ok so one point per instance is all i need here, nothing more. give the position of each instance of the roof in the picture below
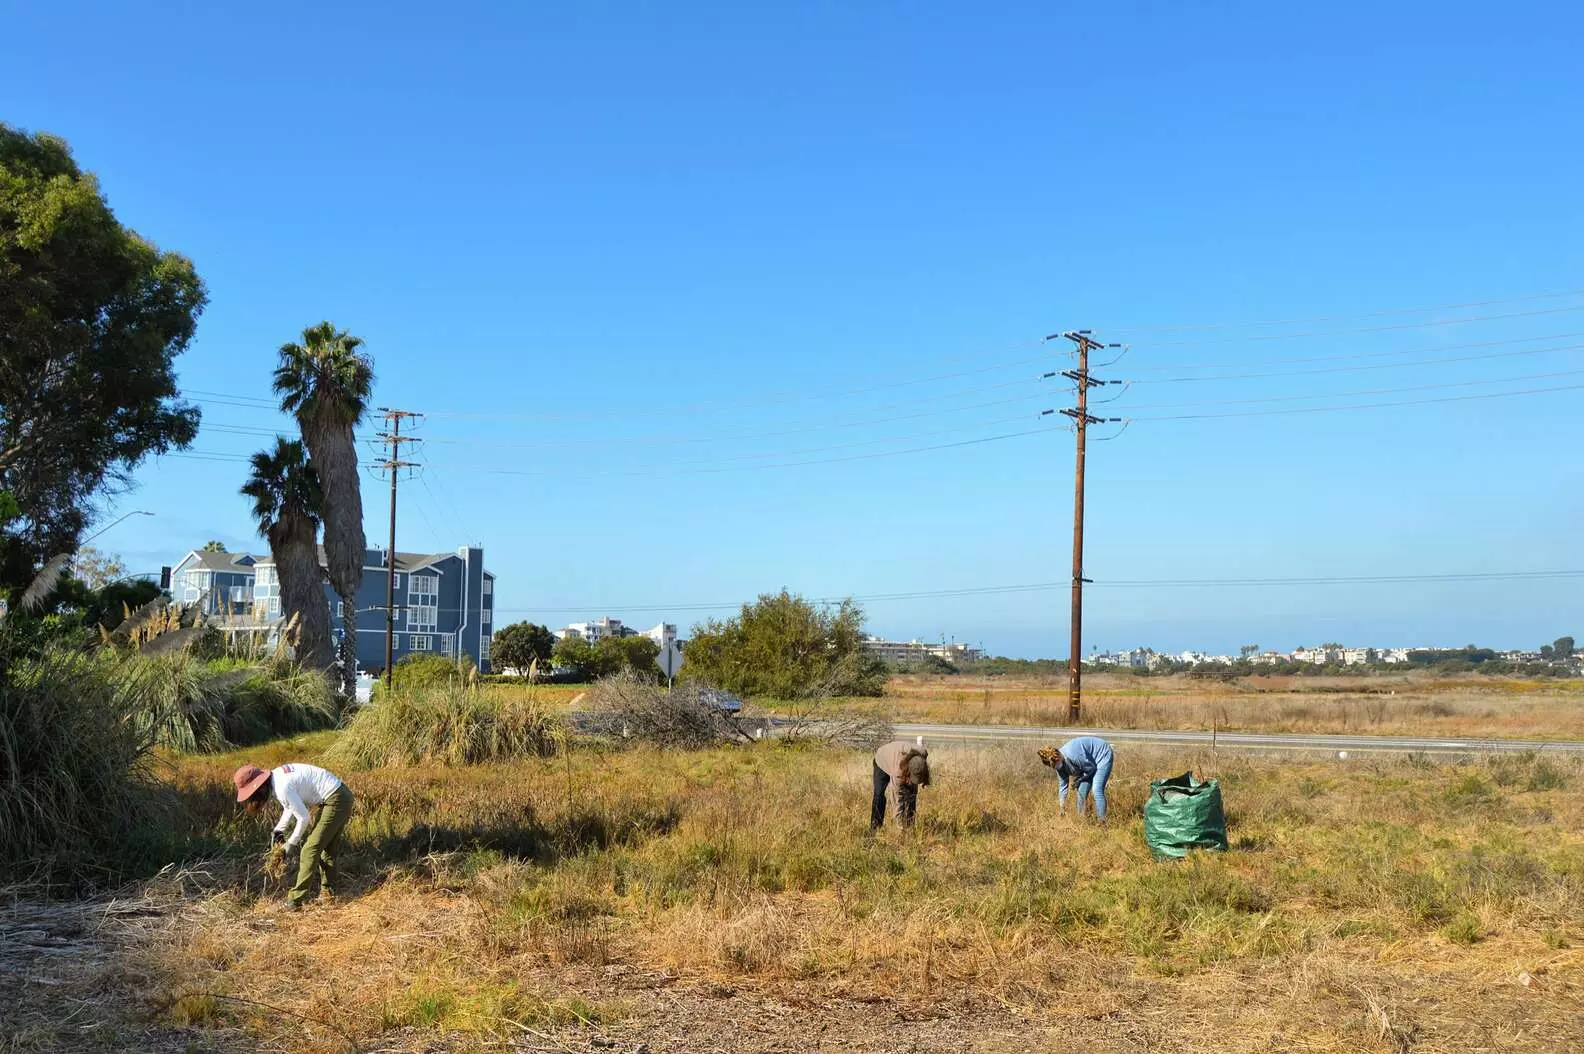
(212, 561)
(405, 562)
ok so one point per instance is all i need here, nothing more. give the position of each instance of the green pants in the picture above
(318, 852)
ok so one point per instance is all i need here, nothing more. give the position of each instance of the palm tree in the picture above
(286, 503)
(325, 383)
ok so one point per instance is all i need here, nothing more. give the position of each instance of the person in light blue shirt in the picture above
(1086, 763)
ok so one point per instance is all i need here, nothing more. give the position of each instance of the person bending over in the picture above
(300, 788)
(908, 766)
(1086, 763)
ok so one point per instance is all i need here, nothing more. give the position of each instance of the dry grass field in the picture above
(731, 900)
(1419, 705)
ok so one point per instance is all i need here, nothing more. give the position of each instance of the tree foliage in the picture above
(92, 317)
(213, 546)
(783, 646)
(611, 655)
(520, 645)
(95, 569)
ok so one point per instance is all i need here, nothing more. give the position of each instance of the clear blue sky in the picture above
(613, 246)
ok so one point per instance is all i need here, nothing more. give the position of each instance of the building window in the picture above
(274, 607)
(489, 587)
(340, 609)
(484, 651)
(418, 642)
(486, 616)
(423, 602)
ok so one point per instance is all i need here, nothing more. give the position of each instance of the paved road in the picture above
(1005, 735)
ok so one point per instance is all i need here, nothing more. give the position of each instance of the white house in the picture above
(597, 630)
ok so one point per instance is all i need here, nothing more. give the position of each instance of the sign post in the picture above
(670, 661)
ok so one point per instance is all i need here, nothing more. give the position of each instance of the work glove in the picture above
(277, 838)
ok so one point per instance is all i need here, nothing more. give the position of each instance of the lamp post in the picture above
(112, 523)
(106, 527)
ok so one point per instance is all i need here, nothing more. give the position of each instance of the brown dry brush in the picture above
(629, 707)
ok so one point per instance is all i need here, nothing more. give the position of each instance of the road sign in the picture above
(669, 660)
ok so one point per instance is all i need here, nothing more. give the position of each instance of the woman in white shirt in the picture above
(300, 788)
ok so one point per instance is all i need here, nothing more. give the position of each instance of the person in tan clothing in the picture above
(908, 765)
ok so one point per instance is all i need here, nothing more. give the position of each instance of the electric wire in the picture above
(1378, 313)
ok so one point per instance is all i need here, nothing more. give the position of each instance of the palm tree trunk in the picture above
(302, 594)
(349, 645)
(333, 453)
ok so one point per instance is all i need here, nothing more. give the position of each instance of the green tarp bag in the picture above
(1184, 814)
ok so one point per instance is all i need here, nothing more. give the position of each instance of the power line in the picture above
(1366, 329)
(1366, 391)
(1246, 363)
(1357, 369)
(1379, 313)
(225, 456)
(1450, 577)
(1363, 406)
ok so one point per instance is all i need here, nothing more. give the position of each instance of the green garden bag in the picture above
(1184, 814)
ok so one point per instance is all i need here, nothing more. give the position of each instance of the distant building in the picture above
(910, 652)
(663, 634)
(219, 583)
(598, 630)
(444, 601)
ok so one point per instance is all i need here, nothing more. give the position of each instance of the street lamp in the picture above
(112, 523)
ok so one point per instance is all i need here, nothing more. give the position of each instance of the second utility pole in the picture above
(393, 464)
(1082, 419)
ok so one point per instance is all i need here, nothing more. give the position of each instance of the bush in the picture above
(783, 646)
(189, 705)
(608, 657)
(74, 776)
(417, 672)
(448, 725)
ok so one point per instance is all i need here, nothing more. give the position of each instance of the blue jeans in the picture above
(1101, 776)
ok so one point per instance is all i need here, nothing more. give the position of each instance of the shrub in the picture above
(186, 704)
(417, 672)
(74, 776)
(448, 725)
(784, 646)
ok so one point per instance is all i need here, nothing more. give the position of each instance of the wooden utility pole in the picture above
(1082, 419)
(393, 463)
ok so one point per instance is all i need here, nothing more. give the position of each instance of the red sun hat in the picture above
(248, 779)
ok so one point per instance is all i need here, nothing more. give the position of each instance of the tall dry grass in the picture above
(76, 783)
(1418, 706)
(752, 866)
(451, 724)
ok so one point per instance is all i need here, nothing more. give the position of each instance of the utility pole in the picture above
(393, 463)
(1082, 419)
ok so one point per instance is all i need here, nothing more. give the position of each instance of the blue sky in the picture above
(638, 261)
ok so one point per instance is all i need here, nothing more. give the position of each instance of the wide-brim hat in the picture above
(248, 779)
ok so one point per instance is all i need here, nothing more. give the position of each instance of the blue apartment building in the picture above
(444, 601)
(220, 583)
